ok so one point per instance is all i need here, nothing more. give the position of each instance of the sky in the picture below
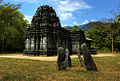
(71, 12)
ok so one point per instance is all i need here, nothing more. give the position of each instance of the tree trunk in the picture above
(3, 47)
(112, 43)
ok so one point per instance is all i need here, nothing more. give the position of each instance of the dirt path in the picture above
(44, 58)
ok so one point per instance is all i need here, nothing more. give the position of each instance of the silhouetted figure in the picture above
(67, 58)
(61, 64)
(88, 60)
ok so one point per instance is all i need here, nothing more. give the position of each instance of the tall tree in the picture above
(113, 28)
(98, 33)
(106, 35)
(12, 25)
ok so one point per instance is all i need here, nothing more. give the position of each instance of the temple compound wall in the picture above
(45, 34)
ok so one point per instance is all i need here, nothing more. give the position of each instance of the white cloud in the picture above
(66, 16)
(64, 2)
(65, 25)
(56, 0)
(29, 18)
(87, 21)
(29, 1)
(92, 20)
(66, 8)
(75, 23)
(69, 5)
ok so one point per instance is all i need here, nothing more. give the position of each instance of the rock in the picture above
(88, 60)
(79, 52)
(67, 58)
(61, 64)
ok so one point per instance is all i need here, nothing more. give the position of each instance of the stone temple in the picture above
(45, 34)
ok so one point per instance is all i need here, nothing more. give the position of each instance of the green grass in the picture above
(29, 70)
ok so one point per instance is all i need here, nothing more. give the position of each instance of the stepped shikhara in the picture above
(45, 34)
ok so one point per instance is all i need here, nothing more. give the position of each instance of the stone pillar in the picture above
(67, 58)
(79, 56)
(61, 64)
(88, 60)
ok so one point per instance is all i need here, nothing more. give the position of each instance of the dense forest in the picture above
(106, 34)
(12, 27)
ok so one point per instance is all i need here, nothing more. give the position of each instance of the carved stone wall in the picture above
(45, 34)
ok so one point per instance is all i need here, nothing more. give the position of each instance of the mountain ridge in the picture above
(86, 27)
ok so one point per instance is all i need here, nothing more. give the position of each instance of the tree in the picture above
(106, 35)
(12, 25)
(113, 29)
(75, 27)
(98, 33)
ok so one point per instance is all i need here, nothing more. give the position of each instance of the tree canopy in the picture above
(12, 27)
(106, 35)
(75, 27)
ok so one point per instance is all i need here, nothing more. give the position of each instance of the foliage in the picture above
(102, 34)
(75, 27)
(12, 25)
(22, 70)
(86, 27)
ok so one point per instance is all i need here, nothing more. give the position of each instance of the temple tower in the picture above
(45, 34)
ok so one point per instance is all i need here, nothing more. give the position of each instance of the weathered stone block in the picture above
(88, 60)
(61, 64)
(67, 58)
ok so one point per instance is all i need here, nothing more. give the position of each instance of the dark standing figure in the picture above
(67, 58)
(79, 52)
(61, 64)
(88, 60)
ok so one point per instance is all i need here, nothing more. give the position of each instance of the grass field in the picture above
(29, 70)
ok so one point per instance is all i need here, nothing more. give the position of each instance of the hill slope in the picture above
(86, 27)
